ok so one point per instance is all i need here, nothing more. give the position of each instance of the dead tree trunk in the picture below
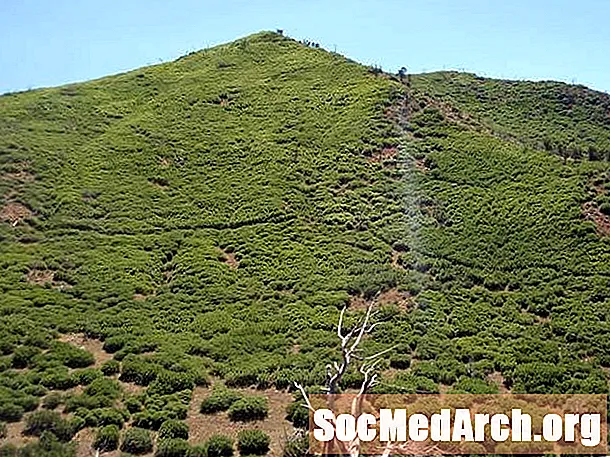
(350, 346)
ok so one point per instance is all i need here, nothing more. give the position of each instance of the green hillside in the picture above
(206, 220)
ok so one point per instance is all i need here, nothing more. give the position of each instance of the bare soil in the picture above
(91, 345)
(43, 277)
(14, 213)
(386, 154)
(203, 426)
(230, 259)
(601, 221)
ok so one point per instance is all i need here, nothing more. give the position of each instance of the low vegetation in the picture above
(206, 221)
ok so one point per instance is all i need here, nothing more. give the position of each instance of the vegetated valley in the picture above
(177, 243)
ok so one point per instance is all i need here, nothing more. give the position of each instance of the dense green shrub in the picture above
(138, 370)
(50, 421)
(172, 447)
(70, 355)
(86, 376)
(3, 430)
(107, 438)
(52, 400)
(220, 446)
(253, 442)
(173, 429)
(249, 408)
(298, 414)
(111, 367)
(221, 399)
(137, 441)
(133, 405)
(168, 382)
(23, 355)
(11, 412)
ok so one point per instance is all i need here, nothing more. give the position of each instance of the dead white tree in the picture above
(350, 351)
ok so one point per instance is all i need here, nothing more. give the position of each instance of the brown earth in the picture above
(91, 345)
(230, 259)
(14, 213)
(42, 277)
(601, 221)
(387, 153)
(203, 426)
(497, 378)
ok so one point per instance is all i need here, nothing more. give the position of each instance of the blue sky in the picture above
(53, 42)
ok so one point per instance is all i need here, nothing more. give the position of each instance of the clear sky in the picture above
(53, 42)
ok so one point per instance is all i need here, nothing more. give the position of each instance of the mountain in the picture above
(204, 222)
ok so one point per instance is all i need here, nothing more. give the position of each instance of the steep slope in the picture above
(205, 220)
(206, 217)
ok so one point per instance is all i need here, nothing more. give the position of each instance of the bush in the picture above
(111, 367)
(133, 405)
(174, 447)
(52, 401)
(220, 400)
(3, 430)
(11, 412)
(23, 356)
(107, 438)
(86, 376)
(298, 414)
(50, 421)
(40, 421)
(173, 429)
(168, 382)
(137, 441)
(197, 451)
(249, 409)
(254, 442)
(220, 446)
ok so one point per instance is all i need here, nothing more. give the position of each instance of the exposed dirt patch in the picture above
(229, 258)
(40, 277)
(84, 440)
(140, 297)
(390, 297)
(14, 213)
(421, 165)
(358, 302)
(14, 434)
(395, 297)
(21, 176)
(44, 277)
(203, 426)
(165, 162)
(131, 388)
(601, 221)
(497, 378)
(91, 345)
(384, 155)
(395, 260)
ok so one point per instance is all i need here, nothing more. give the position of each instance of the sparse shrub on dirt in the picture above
(107, 438)
(172, 447)
(137, 441)
(173, 429)
(221, 399)
(249, 408)
(253, 442)
(220, 446)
